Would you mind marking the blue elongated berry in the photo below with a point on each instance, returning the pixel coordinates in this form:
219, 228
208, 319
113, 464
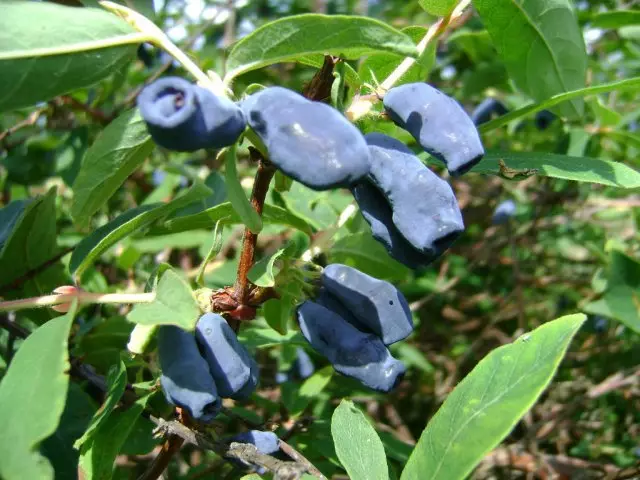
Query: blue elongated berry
309, 141
378, 306
543, 119
487, 108
504, 211
303, 366
425, 209
186, 379
184, 117
438, 123
376, 211
267, 443
234, 370
352, 352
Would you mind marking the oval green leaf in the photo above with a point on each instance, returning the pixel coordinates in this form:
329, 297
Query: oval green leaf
48, 49
579, 169
357, 444
174, 304
38, 372
238, 199
379, 66
116, 153
290, 38
620, 18
263, 273
131, 221
438, 7
207, 219
541, 45
487, 404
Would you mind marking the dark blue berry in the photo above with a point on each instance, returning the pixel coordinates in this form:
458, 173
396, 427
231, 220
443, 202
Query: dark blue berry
376, 211
310, 141
352, 352
487, 109
184, 117
377, 306
425, 209
303, 365
543, 119
267, 443
438, 123
186, 379
504, 211
233, 369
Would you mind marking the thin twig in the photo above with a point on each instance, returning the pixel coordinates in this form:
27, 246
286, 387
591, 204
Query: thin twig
34, 271
31, 119
298, 457
82, 297
170, 447
265, 173
244, 452
94, 113
433, 32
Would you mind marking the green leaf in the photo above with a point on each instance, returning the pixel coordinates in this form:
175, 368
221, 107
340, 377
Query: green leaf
47, 50
487, 404
311, 388
213, 252
31, 244
101, 347
116, 383
278, 311
225, 213
253, 338
621, 18
580, 169
289, 38
410, 355
629, 83
97, 457
119, 149
58, 448
380, 65
541, 45
91, 247
438, 7
263, 272
362, 251
174, 305
9, 216
32, 398
238, 198
622, 295
357, 444
140, 338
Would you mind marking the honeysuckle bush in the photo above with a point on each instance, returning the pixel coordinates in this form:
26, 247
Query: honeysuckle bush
104, 237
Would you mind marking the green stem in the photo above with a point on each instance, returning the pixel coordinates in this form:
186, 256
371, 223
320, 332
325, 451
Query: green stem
137, 37
81, 297
556, 99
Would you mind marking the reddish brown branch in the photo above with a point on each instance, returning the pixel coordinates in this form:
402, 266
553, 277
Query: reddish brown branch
265, 173
170, 447
27, 122
94, 113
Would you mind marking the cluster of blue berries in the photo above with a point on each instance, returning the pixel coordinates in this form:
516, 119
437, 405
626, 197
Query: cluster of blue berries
412, 212
352, 321
198, 370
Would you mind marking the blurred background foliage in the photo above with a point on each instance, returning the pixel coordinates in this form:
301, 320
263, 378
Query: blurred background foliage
570, 247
